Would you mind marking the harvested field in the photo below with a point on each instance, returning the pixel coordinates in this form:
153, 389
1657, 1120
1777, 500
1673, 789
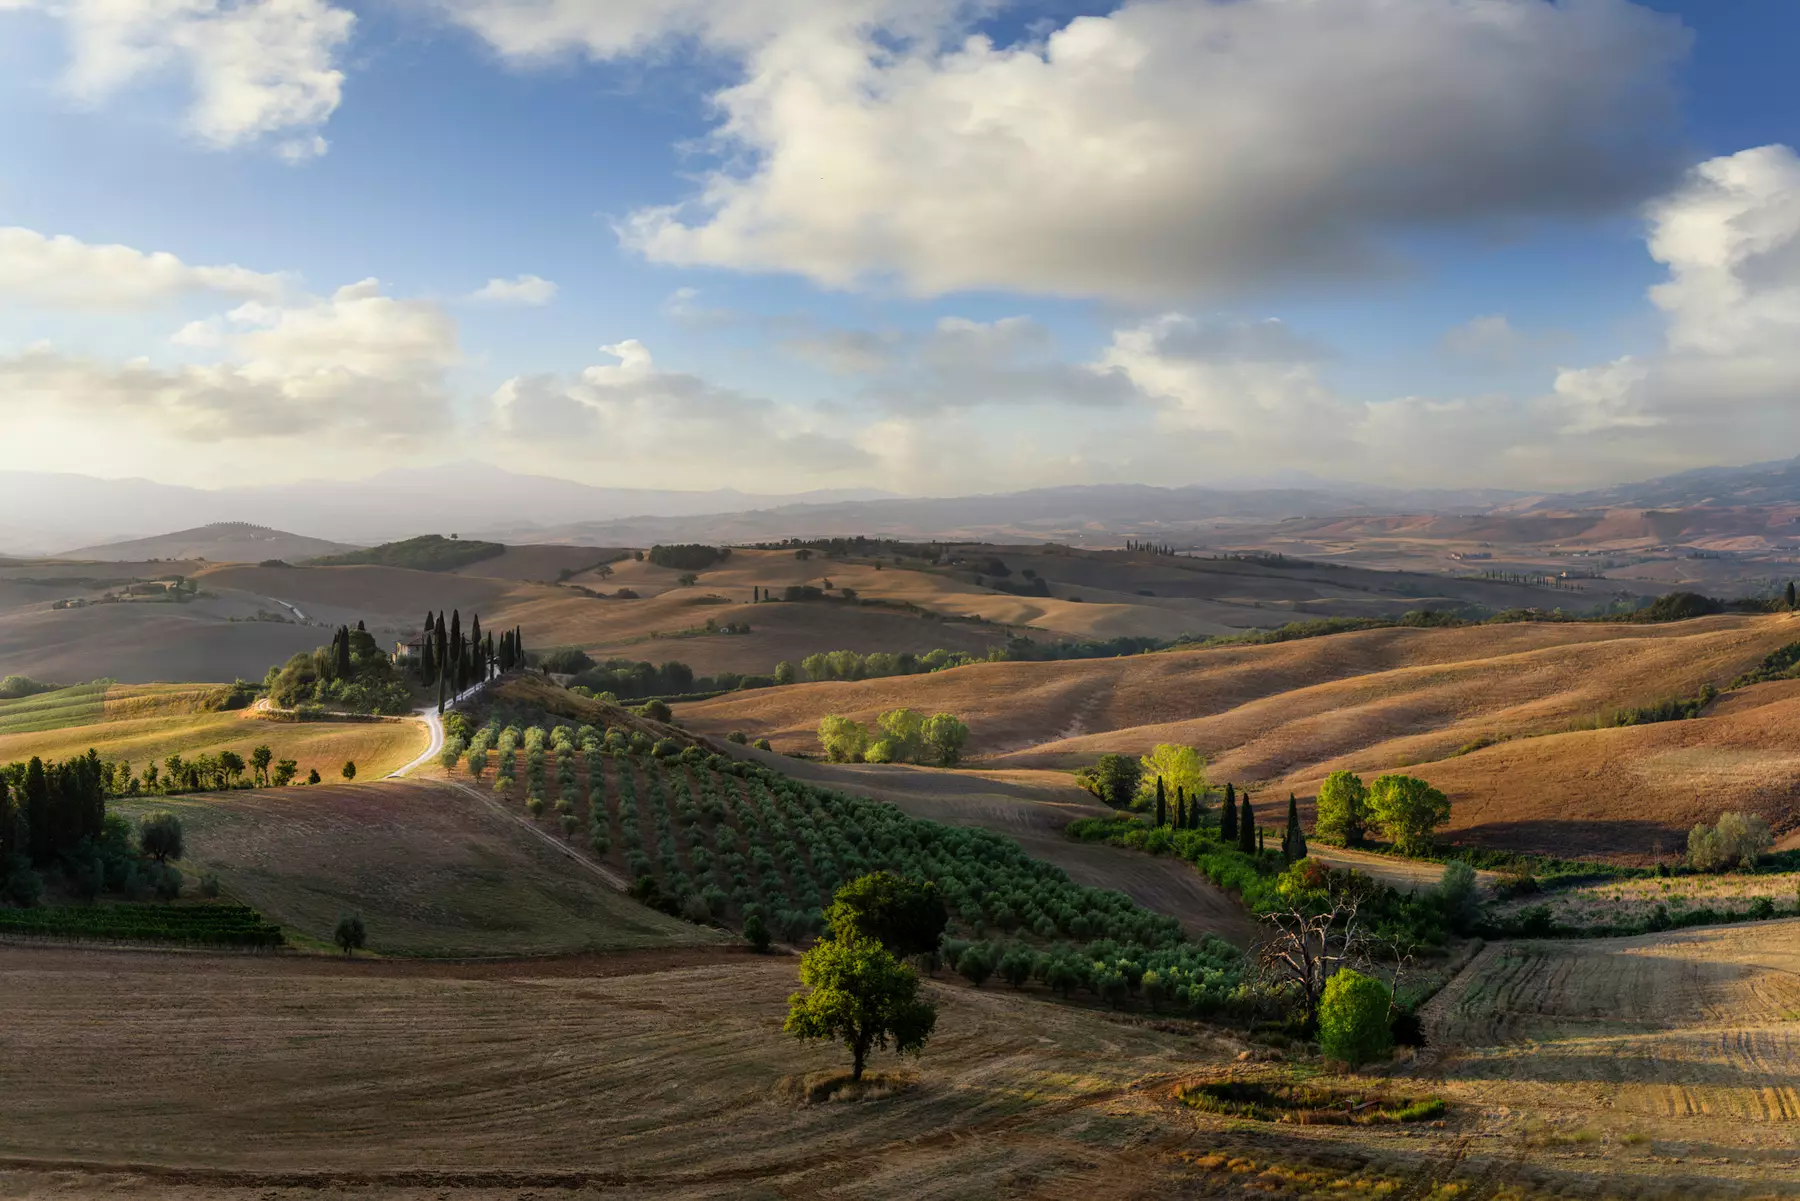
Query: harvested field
432, 871
207, 1077
144, 725
1694, 1024
1618, 902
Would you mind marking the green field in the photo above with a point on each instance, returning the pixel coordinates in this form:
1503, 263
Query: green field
81, 704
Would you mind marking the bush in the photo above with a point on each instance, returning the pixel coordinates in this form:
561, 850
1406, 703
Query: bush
756, 932
762, 744
665, 748
1353, 1019
209, 886
656, 711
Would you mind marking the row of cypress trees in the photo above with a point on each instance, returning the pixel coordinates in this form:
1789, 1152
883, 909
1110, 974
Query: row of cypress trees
454, 661
1237, 821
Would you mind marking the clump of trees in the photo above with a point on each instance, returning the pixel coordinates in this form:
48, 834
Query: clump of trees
900, 736
850, 665
1405, 808
353, 674
53, 819
688, 556
15, 687
1735, 840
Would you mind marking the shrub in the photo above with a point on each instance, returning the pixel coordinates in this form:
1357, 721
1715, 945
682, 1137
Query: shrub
696, 909
656, 711
665, 748
756, 932
1353, 1018
739, 737
209, 886
762, 744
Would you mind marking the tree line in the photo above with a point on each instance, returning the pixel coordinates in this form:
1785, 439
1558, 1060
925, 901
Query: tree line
900, 736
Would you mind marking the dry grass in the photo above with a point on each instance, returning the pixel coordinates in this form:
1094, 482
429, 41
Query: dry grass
376, 747
1624, 901
432, 871
1691, 1024
1281, 717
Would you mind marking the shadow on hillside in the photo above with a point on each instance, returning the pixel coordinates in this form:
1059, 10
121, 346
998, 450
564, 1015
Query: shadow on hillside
1576, 838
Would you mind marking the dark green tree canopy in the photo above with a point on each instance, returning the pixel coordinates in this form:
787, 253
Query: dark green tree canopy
906, 916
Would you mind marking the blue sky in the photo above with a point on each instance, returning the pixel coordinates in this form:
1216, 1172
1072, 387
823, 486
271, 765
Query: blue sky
1173, 241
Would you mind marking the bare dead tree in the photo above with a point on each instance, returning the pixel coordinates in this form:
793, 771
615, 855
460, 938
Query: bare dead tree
1307, 945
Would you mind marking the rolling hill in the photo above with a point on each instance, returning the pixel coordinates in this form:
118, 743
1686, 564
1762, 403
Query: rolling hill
221, 542
1280, 717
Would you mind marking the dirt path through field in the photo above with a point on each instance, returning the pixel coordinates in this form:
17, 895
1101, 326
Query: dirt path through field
1033, 807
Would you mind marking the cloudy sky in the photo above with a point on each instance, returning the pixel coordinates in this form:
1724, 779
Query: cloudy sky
933, 246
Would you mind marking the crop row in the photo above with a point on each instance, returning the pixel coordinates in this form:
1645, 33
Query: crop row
716, 840
205, 925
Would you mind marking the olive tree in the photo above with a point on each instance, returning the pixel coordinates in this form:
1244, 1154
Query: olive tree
160, 836
906, 916
350, 934
859, 994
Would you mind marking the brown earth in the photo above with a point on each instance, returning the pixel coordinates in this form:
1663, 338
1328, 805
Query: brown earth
1280, 717
198, 1076
431, 870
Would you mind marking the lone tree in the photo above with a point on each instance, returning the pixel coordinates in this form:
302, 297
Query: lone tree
906, 916
1113, 778
861, 996
260, 758
1354, 1022
350, 934
1343, 809
160, 836
349, 769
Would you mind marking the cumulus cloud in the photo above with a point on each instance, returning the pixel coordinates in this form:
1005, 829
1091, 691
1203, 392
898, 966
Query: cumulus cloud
357, 363
68, 273
524, 289
256, 68
630, 416
1172, 147
1725, 381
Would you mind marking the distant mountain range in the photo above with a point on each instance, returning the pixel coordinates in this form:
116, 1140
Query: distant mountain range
41, 513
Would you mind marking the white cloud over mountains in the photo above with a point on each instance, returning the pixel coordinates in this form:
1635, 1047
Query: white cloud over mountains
253, 68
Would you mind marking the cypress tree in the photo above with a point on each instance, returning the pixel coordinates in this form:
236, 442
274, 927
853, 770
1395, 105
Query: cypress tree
475, 630
36, 807
343, 653
440, 692
1246, 830
1228, 823
427, 660
1790, 594
1181, 807
1293, 845
443, 646
1162, 804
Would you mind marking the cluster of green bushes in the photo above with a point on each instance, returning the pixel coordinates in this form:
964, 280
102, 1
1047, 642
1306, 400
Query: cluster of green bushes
1782, 663
622, 679
1538, 921
900, 736
211, 924
13, 688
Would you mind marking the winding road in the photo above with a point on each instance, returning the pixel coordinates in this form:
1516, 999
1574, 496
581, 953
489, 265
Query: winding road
434, 723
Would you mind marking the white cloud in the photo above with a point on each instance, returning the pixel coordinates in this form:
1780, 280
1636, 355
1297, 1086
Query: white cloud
632, 418
524, 289
357, 364
254, 67
1727, 378
65, 272
1169, 148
